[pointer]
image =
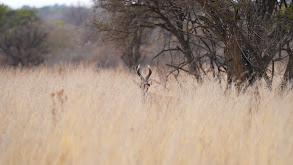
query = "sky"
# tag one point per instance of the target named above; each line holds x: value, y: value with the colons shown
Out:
x: 40, y: 3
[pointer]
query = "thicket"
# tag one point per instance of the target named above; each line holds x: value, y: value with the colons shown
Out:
x: 243, y: 39
x: 23, y: 39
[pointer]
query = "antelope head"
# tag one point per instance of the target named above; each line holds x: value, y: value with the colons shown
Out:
x: 145, y: 84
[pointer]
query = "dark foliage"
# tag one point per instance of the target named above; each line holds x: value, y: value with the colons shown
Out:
x: 22, y: 37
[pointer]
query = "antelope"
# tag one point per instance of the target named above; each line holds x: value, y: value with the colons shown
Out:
x: 145, y: 84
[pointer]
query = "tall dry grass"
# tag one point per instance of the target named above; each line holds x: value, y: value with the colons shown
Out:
x: 89, y: 116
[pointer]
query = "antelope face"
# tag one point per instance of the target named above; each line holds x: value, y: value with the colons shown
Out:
x: 144, y: 85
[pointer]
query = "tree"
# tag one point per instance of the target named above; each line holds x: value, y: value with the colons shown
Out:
x: 286, y: 19
x: 251, y: 32
x: 132, y: 55
x: 123, y: 19
x: 241, y: 38
x: 22, y: 38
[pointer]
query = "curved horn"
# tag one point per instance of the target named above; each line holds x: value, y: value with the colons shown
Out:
x: 149, y: 75
x: 138, y: 72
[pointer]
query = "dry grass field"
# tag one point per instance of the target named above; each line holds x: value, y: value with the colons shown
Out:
x: 89, y: 116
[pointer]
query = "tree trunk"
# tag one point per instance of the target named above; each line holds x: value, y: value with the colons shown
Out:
x: 236, y: 69
x: 288, y: 76
x: 132, y: 55
x: 190, y: 58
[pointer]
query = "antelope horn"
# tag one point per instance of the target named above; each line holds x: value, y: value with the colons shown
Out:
x: 138, y: 72
x: 150, y: 72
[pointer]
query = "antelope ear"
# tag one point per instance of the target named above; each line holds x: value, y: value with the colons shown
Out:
x: 136, y: 83
x: 150, y: 82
